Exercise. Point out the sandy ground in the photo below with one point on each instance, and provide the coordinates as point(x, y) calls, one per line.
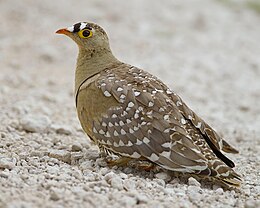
point(207, 51)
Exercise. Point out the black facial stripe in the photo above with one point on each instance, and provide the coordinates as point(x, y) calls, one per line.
point(76, 27)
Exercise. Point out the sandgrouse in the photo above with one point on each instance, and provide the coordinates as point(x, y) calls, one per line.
point(131, 113)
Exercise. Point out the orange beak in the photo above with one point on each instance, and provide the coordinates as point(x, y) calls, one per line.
point(63, 31)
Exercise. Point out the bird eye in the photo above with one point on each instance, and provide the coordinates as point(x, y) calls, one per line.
point(85, 33)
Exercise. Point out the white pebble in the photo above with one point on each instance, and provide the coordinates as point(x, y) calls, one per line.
point(129, 184)
point(142, 198)
point(35, 123)
point(109, 176)
point(123, 176)
point(55, 196)
point(5, 173)
point(61, 155)
point(117, 182)
point(76, 147)
point(62, 129)
point(160, 182)
point(7, 163)
point(97, 189)
point(193, 182)
point(194, 193)
point(219, 191)
point(164, 176)
point(250, 203)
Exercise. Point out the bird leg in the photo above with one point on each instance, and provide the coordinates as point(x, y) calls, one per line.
point(146, 166)
point(121, 161)
point(143, 164)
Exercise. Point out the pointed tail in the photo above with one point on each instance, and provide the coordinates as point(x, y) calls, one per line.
point(225, 174)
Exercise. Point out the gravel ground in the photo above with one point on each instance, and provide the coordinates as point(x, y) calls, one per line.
point(207, 51)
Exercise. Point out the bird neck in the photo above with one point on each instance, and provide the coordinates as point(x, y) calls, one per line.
point(91, 62)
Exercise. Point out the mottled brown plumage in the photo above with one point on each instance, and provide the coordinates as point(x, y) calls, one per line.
point(131, 113)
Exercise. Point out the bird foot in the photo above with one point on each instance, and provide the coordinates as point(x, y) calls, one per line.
point(143, 165)
point(146, 167)
point(121, 161)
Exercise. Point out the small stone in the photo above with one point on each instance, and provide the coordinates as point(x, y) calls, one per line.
point(62, 129)
point(77, 174)
point(87, 187)
point(160, 182)
point(86, 145)
point(256, 190)
point(164, 176)
point(78, 191)
point(76, 147)
point(128, 201)
point(37, 153)
point(128, 170)
point(215, 187)
point(247, 191)
point(193, 182)
point(233, 192)
point(24, 176)
point(61, 155)
point(52, 169)
point(175, 181)
point(194, 193)
point(7, 163)
point(123, 176)
point(4, 174)
point(129, 184)
point(14, 123)
point(252, 203)
point(34, 123)
point(54, 195)
point(10, 129)
point(109, 176)
point(86, 165)
point(179, 192)
point(141, 198)
point(169, 191)
point(104, 171)
point(194, 189)
point(97, 189)
point(117, 183)
point(219, 191)
point(34, 144)
point(76, 156)
point(2, 135)
point(101, 162)
point(91, 154)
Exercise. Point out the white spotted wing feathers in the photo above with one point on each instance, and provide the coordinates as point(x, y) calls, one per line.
point(152, 122)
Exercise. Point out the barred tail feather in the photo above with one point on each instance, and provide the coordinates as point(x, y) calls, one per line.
point(225, 174)
point(228, 148)
point(231, 179)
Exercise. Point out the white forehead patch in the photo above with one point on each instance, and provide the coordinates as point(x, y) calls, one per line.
point(71, 28)
point(82, 25)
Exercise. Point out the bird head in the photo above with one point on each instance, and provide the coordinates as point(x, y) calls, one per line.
point(88, 36)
